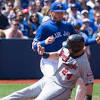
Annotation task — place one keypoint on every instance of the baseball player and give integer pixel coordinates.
(80, 91)
(73, 63)
(51, 35)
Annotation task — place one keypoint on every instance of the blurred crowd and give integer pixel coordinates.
(21, 18)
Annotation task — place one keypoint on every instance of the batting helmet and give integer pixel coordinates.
(74, 42)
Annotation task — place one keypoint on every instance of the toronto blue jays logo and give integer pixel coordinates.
(59, 7)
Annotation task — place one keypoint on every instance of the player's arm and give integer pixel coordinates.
(89, 90)
(93, 41)
(87, 76)
(41, 38)
(51, 55)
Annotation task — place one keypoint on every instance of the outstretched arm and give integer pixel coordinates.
(51, 55)
(93, 40)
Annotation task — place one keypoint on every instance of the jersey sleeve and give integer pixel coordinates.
(85, 71)
(39, 37)
(90, 41)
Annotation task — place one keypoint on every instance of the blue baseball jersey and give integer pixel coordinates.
(60, 31)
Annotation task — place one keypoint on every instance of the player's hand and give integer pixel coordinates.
(49, 40)
(98, 39)
(40, 49)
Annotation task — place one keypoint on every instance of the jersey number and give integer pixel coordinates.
(65, 72)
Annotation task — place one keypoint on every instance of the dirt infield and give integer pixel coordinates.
(29, 81)
(97, 81)
(17, 81)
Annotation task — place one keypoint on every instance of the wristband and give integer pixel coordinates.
(88, 97)
(46, 55)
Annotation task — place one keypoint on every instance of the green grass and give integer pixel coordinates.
(6, 89)
(96, 92)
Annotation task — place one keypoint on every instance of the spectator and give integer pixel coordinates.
(3, 19)
(25, 13)
(22, 26)
(83, 4)
(17, 9)
(86, 28)
(13, 31)
(66, 16)
(9, 7)
(97, 3)
(38, 5)
(45, 12)
(32, 7)
(92, 13)
(85, 14)
(11, 16)
(97, 20)
(97, 24)
(70, 2)
(24, 3)
(33, 24)
(74, 14)
(17, 4)
(47, 3)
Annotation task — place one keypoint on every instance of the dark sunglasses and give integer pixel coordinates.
(16, 24)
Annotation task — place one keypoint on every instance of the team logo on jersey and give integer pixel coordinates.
(64, 57)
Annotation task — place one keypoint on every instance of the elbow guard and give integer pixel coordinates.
(46, 55)
(88, 97)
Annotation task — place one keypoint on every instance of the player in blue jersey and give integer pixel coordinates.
(51, 34)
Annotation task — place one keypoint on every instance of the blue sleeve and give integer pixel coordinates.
(90, 41)
(39, 37)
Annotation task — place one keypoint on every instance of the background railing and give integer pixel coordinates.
(18, 61)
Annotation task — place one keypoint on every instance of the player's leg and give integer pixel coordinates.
(52, 91)
(27, 93)
(48, 67)
(81, 90)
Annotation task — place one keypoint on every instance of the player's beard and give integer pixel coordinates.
(57, 19)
